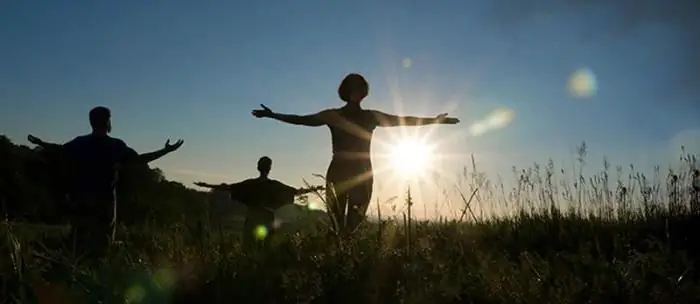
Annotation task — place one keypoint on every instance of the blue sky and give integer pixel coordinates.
(195, 69)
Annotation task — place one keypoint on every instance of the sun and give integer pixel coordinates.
(410, 157)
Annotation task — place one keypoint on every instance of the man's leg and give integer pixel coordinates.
(269, 224)
(254, 231)
(92, 238)
(258, 228)
(248, 231)
(93, 229)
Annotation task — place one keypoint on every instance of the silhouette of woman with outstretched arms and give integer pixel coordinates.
(349, 177)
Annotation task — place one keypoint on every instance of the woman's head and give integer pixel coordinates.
(353, 89)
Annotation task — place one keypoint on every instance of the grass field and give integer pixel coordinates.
(591, 240)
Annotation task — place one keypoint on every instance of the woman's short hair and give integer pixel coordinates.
(353, 85)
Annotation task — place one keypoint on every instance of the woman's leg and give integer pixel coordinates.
(359, 199)
(336, 197)
(352, 183)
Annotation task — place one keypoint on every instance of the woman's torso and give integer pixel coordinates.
(351, 133)
(351, 137)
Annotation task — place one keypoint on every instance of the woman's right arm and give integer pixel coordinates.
(312, 120)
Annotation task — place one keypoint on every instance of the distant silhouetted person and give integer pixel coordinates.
(350, 172)
(263, 196)
(94, 160)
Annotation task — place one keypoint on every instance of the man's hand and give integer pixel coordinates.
(443, 119)
(264, 112)
(171, 148)
(310, 189)
(35, 140)
(151, 156)
(317, 188)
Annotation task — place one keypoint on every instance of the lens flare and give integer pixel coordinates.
(260, 232)
(497, 119)
(582, 83)
(407, 62)
(164, 279)
(135, 294)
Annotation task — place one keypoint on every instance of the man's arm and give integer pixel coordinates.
(222, 186)
(129, 154)
(151, 156)
(388, 120)
(37, 141)
(298, 191)
(312, 120)
(301, 191)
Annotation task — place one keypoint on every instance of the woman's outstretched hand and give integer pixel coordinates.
(443, 119)
(264, 112)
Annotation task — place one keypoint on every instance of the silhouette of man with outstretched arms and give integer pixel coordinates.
(349, 179)
(94, 160)
(263, 196)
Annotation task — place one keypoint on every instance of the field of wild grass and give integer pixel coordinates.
(613, 237)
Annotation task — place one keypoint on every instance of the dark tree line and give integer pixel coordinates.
(32, 189)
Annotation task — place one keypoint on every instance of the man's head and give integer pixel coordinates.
(353, 89)
(264, 166)
(100, 120)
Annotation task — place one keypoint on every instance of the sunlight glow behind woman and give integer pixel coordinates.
(411, 158)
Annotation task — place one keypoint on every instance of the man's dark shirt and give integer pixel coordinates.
(94, 161)
(262, 193)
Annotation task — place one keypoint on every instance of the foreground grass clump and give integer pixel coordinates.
(524, 259)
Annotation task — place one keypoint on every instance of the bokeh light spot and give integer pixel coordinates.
(260, 232)
(315, 206)
(135, 294)
(164, 279)
(582, 83)
(407, 62)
